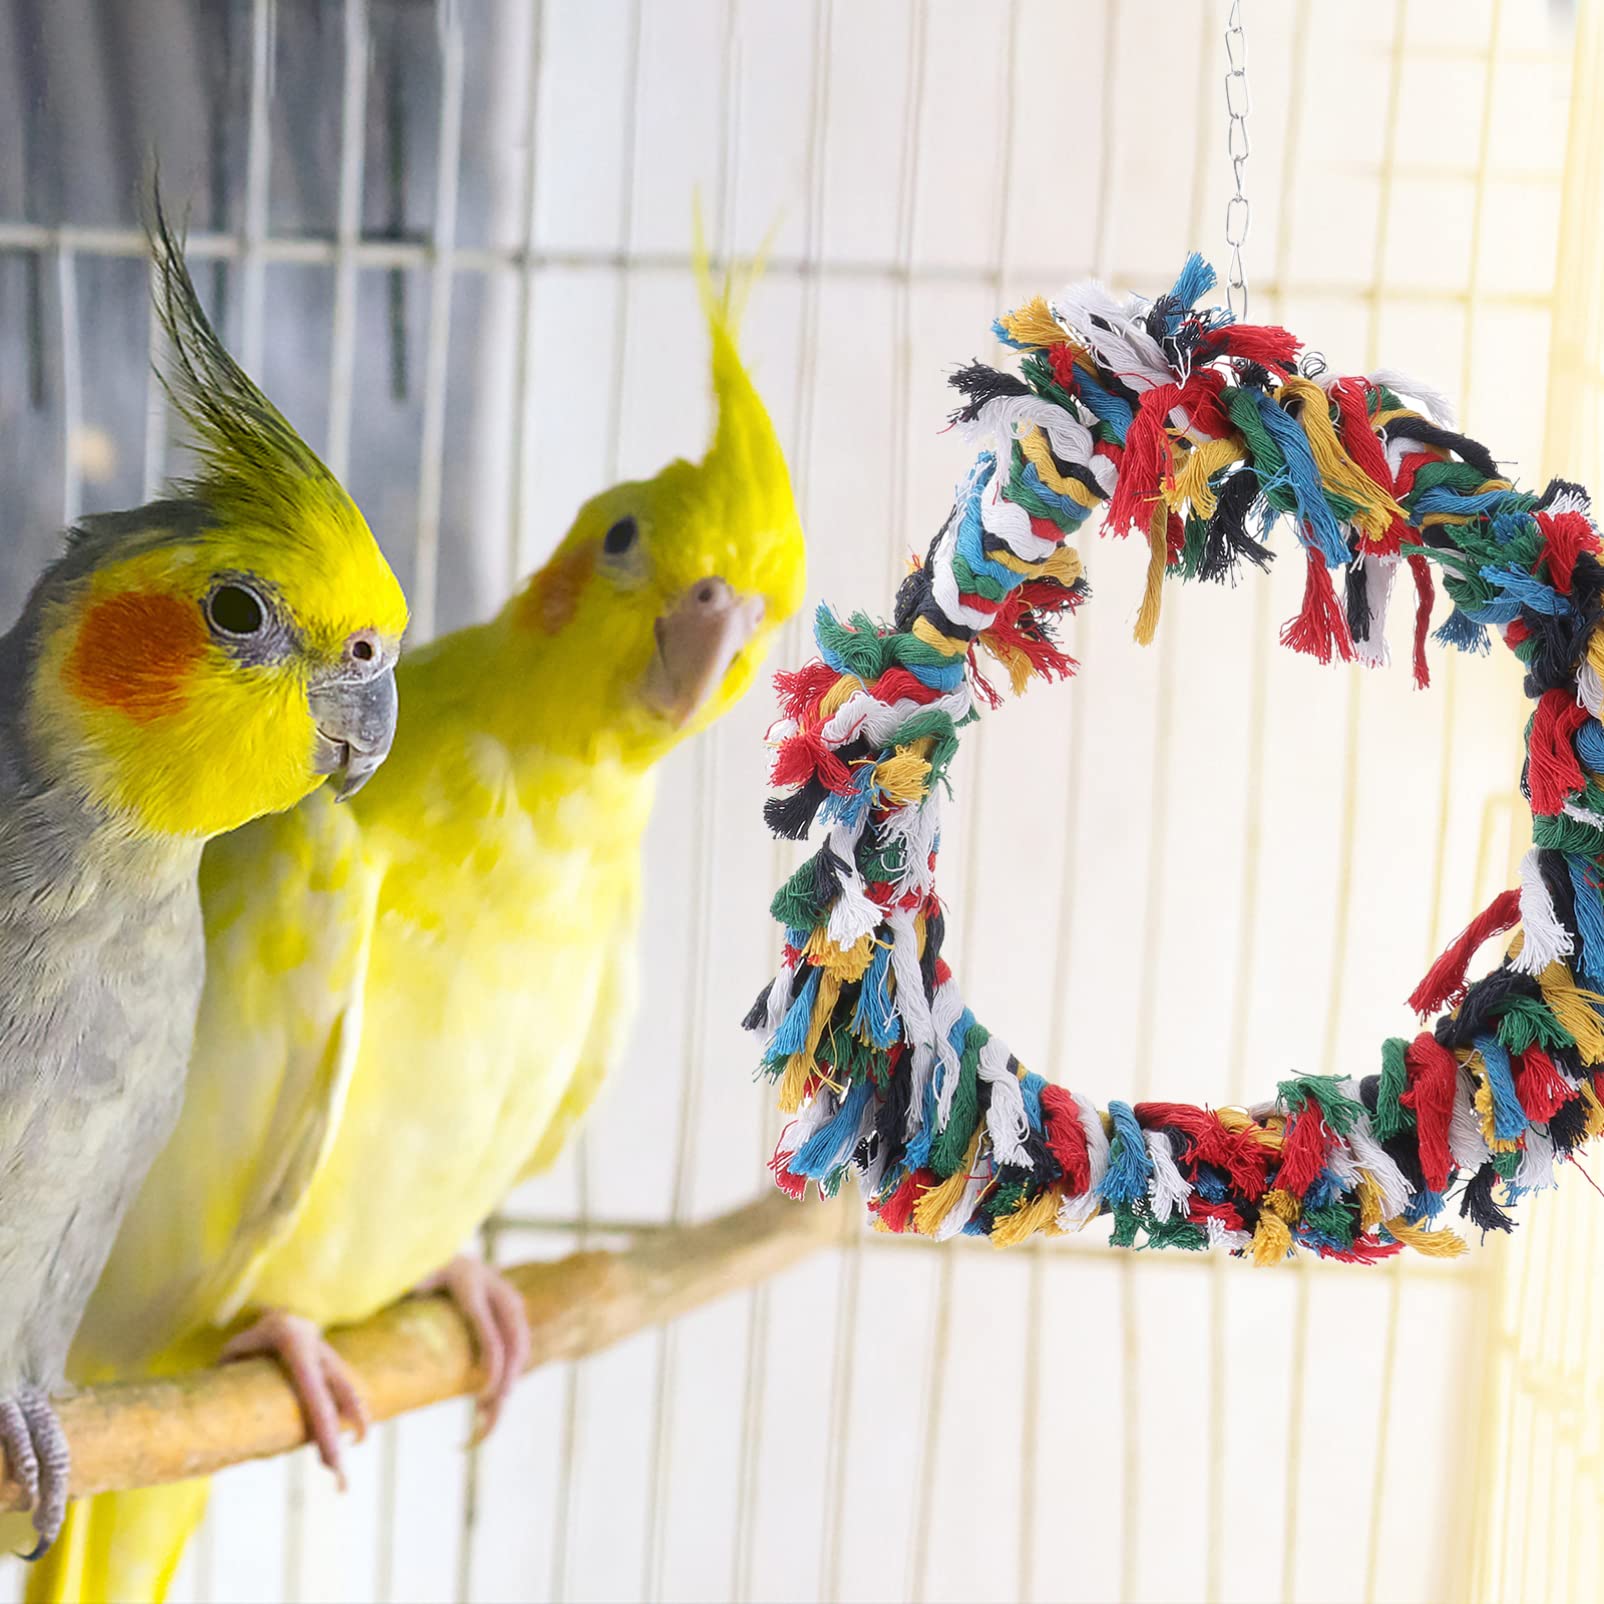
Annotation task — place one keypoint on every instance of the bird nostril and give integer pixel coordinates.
(707, 592)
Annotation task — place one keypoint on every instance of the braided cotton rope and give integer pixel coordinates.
(1189, 428)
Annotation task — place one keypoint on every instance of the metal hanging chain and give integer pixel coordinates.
(1238, 102)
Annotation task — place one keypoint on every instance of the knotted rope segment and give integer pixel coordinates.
(1200, 435)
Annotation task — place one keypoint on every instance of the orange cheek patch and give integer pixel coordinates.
(136, 653)
(551, 599)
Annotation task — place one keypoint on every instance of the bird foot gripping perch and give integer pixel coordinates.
(1200, 434)
(38, 1458)
(323, 1382)
(327, 1388)
(495, 1313)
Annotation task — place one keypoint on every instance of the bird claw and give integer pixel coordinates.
(323, 1382)
(38, 1459)
(494, 1310)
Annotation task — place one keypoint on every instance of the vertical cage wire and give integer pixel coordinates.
(755, 1377)
(71, 385)
(1063, 934)
(258, 160)
(694, 1043)
(348, 229)
(426, 551)
(525, 377)
(154, 466)
(1541, 1321)
(843, 1350)
(563, 1511)
(1249, 890)
(1451, 677)
(1353, 725)
(1209, 113)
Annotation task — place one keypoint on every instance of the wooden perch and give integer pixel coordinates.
(139, 1434)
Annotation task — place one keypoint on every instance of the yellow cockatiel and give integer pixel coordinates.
(412, 997)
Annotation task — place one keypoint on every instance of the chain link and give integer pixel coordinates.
(1238, 103)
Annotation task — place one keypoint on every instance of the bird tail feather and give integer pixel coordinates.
(119, 1546)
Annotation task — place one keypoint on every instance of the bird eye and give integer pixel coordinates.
(620, 537)
(234, 610)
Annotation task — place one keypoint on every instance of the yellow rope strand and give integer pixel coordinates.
(1157, 556)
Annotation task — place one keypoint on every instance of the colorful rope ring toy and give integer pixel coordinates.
(1200, 433)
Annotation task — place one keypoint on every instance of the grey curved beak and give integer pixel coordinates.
(355, 727)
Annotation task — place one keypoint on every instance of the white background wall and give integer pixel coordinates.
(1202, 866)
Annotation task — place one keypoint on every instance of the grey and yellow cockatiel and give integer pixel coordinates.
(180, 670)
